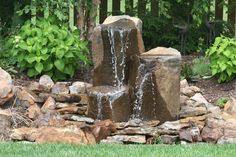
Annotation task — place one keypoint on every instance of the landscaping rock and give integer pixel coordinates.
(81, 110)
(230, 106)
(77, 118)
(110, 140)
(145, 130)
(169, 128)
(68, 98)
(129, 138)
(187, 91)
(46, 81)
(198, 97)
(49, 105)
(60, 88)
(71, 135)
(103, 129)
(5, 122)
(187, 111)
(184, 84)
(37, 88)
(191, 134)
(5, 87)
(33, 111)
(211, 134)
(169, 139)
(226, 140)
(24, 97)
(79, 87)
(200, 121)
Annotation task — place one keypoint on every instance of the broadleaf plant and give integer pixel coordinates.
(222, 56)
(45, 48)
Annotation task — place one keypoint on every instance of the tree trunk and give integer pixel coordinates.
(142, 7)
(129, 7)
(115, 7)
(231, 15)
(91, 21)
(81, 18)
(103, 11)
(219, 9)
(155, 8)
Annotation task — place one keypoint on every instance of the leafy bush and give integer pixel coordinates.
(222, 101)
(223, 58)
(186, 72)
(200, 67)
(45, 48)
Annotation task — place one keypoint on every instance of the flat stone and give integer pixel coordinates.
(187, 111)
(81, 110)
(195, 89)
(183, 100)
(5, 87)
(110, 140)
(79, 87)
(5, 76)
(170, 128)
(77, 118)
(130, 138)
(71, 135)
(145, 130)
(60, 88)
(169, 139)
(226, 140)
(200, 121)
(69, 98)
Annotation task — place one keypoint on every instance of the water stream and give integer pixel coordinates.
(115, 54)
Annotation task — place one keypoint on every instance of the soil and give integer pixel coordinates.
(210, 88)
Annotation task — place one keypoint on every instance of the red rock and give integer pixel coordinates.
(211, 134)
(103, 129)
(49, 105)
(5, 92)
(33, 111)
(71, 135)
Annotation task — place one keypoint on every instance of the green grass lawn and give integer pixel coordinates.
(60, 150)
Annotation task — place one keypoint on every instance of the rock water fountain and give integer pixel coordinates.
(129, 82)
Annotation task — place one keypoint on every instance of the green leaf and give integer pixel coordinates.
(32, 72)
(59, 65)
(39, 67)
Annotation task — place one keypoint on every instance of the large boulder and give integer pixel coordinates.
(6, 87)
(114, 43)
(158, 84)
(106, 102)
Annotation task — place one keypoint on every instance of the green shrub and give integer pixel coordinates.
(186, 72)
(222, 101)
(45, 48)
(222, 56)
(200, 67)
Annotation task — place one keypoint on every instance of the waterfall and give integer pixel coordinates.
(124, 40)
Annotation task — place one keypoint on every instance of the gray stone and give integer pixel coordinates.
(170, 128)
(79, 87)
(169, 139)
(60, 88)
(46, 81)
(130, 138)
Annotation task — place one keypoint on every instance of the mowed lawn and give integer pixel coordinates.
(62, 150)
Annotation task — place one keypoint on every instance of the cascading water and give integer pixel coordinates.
(124, 40)
(111, 96)
(143, 77)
